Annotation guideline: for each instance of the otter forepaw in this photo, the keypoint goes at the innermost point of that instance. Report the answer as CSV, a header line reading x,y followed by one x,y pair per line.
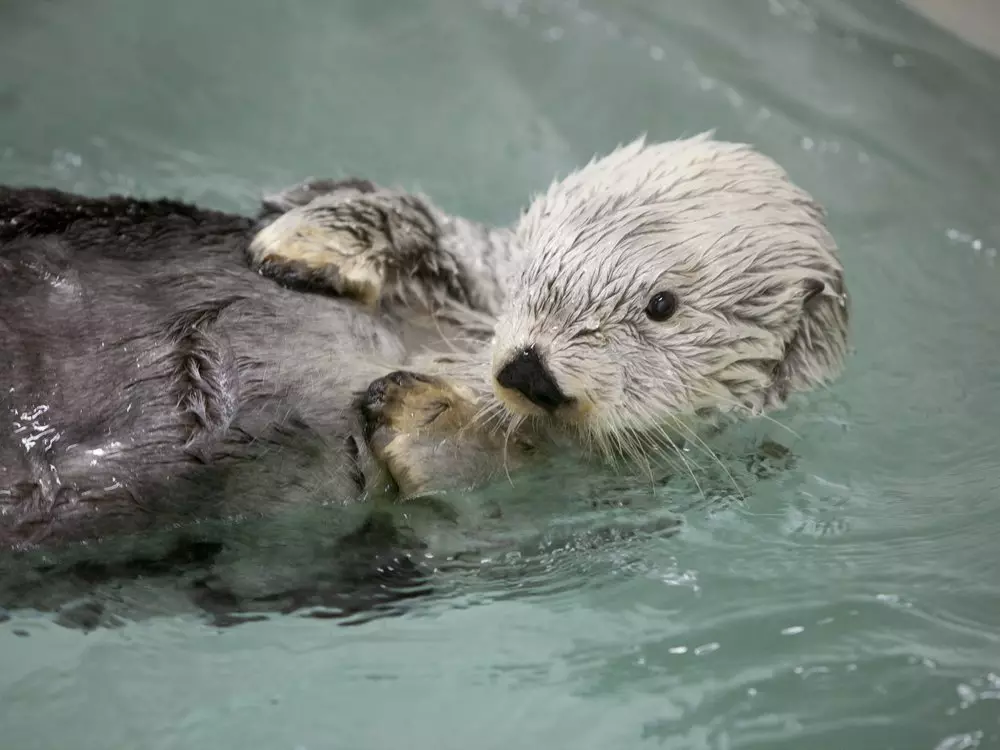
x,y
275,204
328,245
417,424
404,402
350,241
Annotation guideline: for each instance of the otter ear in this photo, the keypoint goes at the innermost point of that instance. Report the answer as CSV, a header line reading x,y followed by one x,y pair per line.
x,y
812,288
816,351
302,193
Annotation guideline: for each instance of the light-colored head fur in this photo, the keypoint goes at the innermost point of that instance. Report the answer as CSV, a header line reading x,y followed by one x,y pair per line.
x,y
762,313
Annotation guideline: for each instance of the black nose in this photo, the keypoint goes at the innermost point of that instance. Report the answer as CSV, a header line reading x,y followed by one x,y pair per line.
x,y
526,374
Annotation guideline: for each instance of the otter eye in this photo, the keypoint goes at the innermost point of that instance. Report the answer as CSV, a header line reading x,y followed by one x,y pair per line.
x,y
661,306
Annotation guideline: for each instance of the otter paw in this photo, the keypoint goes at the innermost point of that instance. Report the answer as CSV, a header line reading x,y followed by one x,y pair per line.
x,y
275,204
403,403
333,245
420,428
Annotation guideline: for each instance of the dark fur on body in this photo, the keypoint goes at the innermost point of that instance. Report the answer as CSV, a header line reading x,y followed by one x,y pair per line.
x,y
148,376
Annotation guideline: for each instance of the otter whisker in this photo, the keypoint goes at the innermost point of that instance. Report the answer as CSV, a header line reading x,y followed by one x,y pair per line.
x,y
661,438
743,407
631,450
491,417
653,431
453,341
504,420
701,443
604,448
636,445
640,455
514,425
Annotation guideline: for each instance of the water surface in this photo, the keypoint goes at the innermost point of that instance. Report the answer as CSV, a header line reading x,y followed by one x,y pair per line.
x,y
851,601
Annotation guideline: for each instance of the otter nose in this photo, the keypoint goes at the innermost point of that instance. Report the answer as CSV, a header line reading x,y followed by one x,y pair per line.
x,y
527,374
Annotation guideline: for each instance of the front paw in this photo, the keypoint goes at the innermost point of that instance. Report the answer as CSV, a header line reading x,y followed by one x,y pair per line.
x,y
330,245
275,204
350,243
426,432
404,406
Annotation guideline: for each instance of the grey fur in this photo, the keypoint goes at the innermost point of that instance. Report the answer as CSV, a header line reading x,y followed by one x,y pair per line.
x,y
148,377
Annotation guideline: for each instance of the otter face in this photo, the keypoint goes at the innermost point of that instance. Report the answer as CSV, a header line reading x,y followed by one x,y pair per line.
x,y
667,281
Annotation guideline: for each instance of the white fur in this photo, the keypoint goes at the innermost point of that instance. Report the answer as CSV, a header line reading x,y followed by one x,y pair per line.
x,y
721,226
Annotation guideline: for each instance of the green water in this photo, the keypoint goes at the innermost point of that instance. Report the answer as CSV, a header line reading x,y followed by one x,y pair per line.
x,y
852,601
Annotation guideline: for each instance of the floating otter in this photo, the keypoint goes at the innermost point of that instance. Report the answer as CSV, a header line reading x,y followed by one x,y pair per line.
x,y
152,376
657,289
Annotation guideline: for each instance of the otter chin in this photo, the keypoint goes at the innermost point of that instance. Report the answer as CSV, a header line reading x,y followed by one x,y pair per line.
x,y
665,283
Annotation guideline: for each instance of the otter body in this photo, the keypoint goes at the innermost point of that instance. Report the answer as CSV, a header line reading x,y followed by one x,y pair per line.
x,y
160,363
656,290
148,376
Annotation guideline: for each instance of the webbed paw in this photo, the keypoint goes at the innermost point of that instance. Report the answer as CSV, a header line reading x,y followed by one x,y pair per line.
x,y
348,240
275,204
426,432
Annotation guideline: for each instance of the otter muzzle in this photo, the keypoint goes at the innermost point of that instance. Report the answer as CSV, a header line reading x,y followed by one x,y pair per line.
x,y
526,373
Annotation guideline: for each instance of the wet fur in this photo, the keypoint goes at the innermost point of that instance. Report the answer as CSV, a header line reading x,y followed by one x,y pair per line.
x,y
570,276
763,307
150,377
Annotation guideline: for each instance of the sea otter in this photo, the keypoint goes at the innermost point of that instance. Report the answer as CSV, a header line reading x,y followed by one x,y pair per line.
x,y
658,289
155,373
145,363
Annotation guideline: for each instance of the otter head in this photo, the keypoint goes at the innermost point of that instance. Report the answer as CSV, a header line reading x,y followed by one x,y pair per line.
x,y
669,281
